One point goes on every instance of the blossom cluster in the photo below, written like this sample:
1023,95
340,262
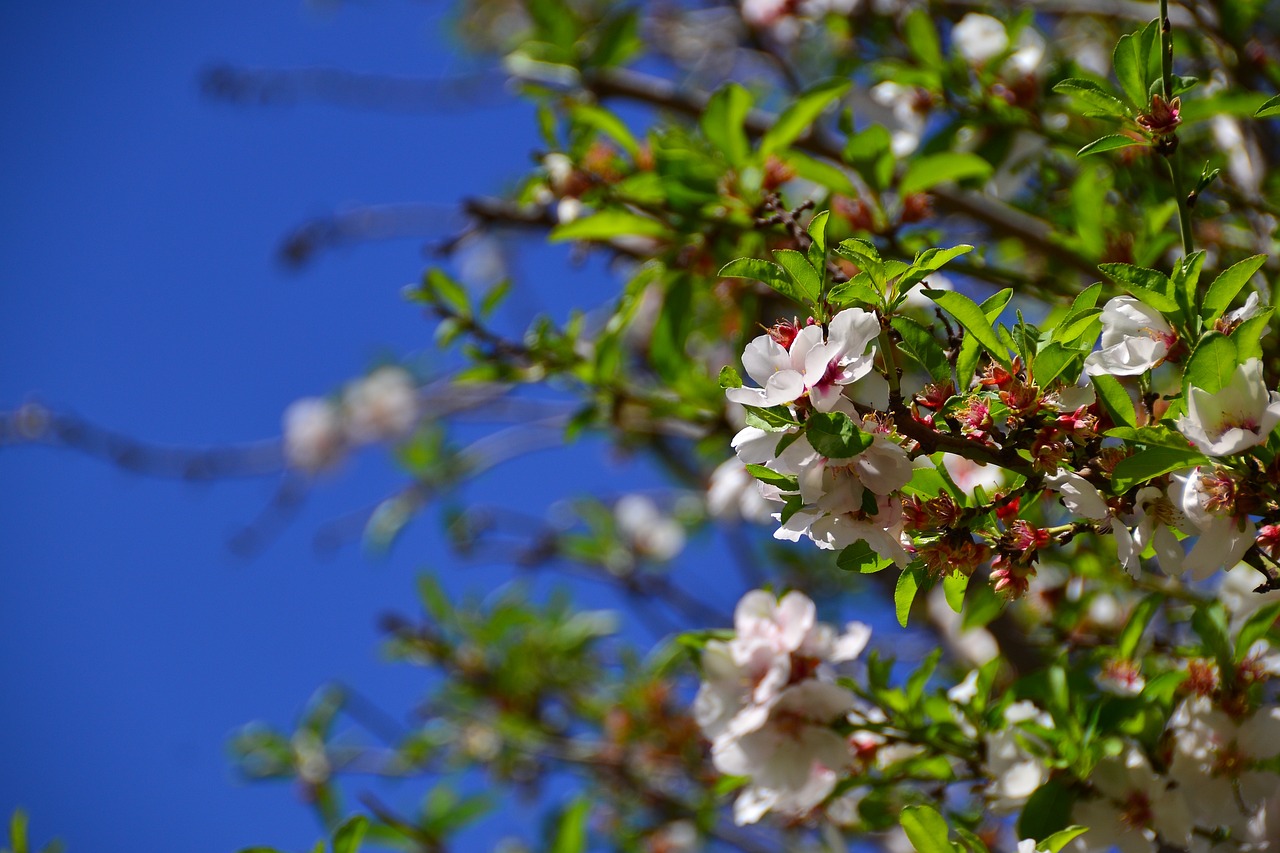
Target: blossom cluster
318,431
769,704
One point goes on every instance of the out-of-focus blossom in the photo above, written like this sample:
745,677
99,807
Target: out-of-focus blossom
979,38
314,438
382,406
1241,415
646,529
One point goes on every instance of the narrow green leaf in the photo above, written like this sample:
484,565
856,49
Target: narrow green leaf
1051,361
926,829
1054,843
870,152
1227,286
922,37
723,123
608,224
774,419
767,272
729,377
969,315
1209,621
1248,335
818,229
1152,287
1098,99
933,169
796,119
953,587
1256,627
348,837
904,594
1139,619
1109,143
1115,400
1150,463
18,831
1130,68
921,345
1212,364
571,834
608,124
773,478
1270,109
1047,811
807,280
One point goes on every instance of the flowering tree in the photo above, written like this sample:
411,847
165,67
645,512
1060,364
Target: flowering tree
968,309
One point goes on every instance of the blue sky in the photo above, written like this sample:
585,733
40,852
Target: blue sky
140,289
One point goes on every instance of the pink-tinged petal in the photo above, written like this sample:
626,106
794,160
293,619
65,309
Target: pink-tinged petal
796,615
884,467
817,701
764,357
783,387
854,329
826,397
755,446
1259,736
752,804
851,643
825,747
809,338
747,396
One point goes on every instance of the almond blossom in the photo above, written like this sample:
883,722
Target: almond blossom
1135,810
1241,415
1216,760
979,38
1206,498
791,362
1134,339
382,406
314,438
1016,772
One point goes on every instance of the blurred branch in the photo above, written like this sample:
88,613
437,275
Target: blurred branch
35,424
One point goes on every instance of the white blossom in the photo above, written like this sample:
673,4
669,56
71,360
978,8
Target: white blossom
910,121
842,359
314,438
969,475
1215,758
647,529
1016,772
979,38
1240,416
382,406
1134,339
1223,537
1134,804
1079,496
734,493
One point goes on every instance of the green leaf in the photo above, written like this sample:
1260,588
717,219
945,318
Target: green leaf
608,224
1109,143
1139,619
969,315
1152,287
767,272
926,829
1054,843
953,587
772,419
773,478
571,834
729,377
1150,463
1131,68
1050,362
1270,109
723,123
1227,286
801,114
18,831
1209,621
933,169
922,37
1115,400
608,124
1248,335
927,262
1256,627
448,292
1047,811
1212,364
921,345
835,435
1155,436
904,594
806,278
861,557
1099,100
817,229
870,152
821,172
348,837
